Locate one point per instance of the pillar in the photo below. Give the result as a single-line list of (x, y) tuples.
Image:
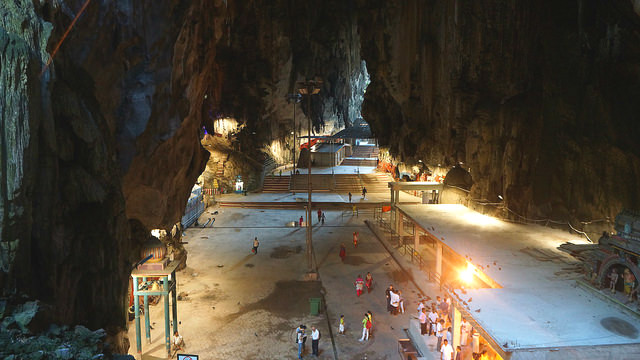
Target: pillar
[(147, 326), (174, 299), (416, 237), (456, 320), (136, 307), (399, 222), (439, 261), (167, 334)]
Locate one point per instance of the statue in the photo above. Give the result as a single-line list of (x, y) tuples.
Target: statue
[(613, 280), (629, 282)]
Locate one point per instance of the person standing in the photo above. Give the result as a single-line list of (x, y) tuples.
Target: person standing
[(400, 302), (301, 220), (359, 285), (366, 325), (323, 218), (300, 342), (395, 302), (420, 307), (256, 243), (423, 322), (315, 338), (458, 353), (319, 215), (341, 325), (388, 294), (433, 319), (370, 314), (464, 332), (343, 252), (439, 334), (368, 282), (350, 196), (364, 193), (355, 239), (446, 352)]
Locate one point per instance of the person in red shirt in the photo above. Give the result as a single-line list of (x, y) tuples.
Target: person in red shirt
[(355, 239)]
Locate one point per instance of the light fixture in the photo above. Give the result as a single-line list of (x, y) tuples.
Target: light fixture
[(500, 197), (467, 274), (419, 161)]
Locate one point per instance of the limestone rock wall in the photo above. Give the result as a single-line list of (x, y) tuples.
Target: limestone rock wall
[(537, 99)]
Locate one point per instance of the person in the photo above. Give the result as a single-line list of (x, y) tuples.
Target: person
[(343, 252), (400, 302), (323, 218), (315, 338), (364, 192), (341, 325), (301, 220), (319, 215), (613, 279), (449, 335), (458, 353), (368, 282), (420, 307), (366, 325), (388, 294), (350, 197), (354, 210), (440, 333), (300, 342), (178, 342), (444, 308), (370, 314), (256, 243), (280, 173), (446, 352), (355, 239), (433, 319), (359, 285), (395, 302), (423, 322), (464, 332)]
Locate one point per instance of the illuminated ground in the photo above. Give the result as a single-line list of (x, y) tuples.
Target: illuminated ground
[(243, 306)]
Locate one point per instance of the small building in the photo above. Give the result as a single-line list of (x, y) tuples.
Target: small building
[(327, 154)]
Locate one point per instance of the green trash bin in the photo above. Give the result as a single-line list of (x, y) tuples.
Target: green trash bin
[(315, 305)]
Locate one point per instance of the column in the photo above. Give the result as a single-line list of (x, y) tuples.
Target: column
[(167, 334), (416, 237), (456, 321), (136, 307), (174, 299), (399, 222), (147, 327), (439, 261)]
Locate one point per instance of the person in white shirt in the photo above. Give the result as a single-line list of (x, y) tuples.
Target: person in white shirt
[(394, 301), (433, 319), (420, 307), (464, 332), (446, 353), (440, 333), (315, 338), (423, 322), (178, 342)]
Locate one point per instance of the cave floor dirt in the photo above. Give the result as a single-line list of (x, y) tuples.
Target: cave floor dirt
[(244, 306)]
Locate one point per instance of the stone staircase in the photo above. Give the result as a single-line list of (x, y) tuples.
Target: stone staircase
[(376, 182), (345, 183), (319, 183), (276, 184), (366, 152), (359, 162)]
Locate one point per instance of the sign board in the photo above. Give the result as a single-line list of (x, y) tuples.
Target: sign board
[(187, 357)]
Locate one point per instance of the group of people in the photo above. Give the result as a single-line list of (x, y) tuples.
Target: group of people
[(395, 301), (361, 283), (301, 340)]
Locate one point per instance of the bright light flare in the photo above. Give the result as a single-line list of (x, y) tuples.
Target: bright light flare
[(475, 218), (467, 274)]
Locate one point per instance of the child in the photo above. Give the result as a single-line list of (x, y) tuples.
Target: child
[(341, 326)]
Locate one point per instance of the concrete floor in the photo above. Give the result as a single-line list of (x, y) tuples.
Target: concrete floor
[(246, 306)]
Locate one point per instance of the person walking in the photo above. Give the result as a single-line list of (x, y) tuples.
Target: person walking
[(350, 196), (355, 239), (400, 302), (343, 252), (364, 193), (319, 215), (315, 338), (423, 322), (301, 220), (370, 314), (368, 282), (359, 285), (446, 352), (256, 243), (323, 218), (341, 325), (394, 301), (366, 325)]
